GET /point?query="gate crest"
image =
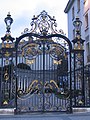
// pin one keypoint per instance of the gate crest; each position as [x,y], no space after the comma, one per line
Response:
[43,24]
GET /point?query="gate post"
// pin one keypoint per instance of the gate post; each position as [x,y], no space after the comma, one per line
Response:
[78,53]
[7,68]
[70,86]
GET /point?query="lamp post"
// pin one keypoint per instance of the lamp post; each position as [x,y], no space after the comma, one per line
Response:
[78,53]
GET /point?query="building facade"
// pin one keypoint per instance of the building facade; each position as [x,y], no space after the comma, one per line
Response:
[81,9]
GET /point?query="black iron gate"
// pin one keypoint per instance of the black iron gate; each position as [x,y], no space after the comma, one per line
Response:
[43,83]
[42,75]
[39,71]
[34,68]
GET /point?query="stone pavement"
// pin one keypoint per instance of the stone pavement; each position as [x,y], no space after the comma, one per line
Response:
[49,116]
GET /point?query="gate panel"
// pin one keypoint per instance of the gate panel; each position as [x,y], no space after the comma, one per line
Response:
[29,79]
[42,77]
[42,68]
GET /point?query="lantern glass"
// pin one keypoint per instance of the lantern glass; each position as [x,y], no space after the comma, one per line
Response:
[8,20]
[8,23]
[77,24]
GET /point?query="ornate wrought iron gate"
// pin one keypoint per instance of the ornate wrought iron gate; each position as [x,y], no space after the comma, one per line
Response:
[41,84]
[34,72]
[42,68]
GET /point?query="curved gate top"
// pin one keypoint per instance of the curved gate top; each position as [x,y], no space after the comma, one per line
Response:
[41,61]
[44,26]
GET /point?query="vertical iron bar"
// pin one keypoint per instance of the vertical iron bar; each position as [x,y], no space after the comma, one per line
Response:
[43,73]
[1,80]
[2,85]
[74,80]
[0,89]
[83,82]
[70,85]
[89,82]
[16,81]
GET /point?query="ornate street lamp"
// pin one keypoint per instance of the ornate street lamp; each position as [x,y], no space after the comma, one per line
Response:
[78,43]
[77,24]
[78,66]
[7,39]
[8,20]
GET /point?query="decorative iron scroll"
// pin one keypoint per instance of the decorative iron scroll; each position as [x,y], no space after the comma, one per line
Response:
[30,51]
[36,87]
[8,83]
[56,51]
[44,24]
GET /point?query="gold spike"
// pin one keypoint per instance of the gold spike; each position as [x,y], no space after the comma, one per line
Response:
[5,102]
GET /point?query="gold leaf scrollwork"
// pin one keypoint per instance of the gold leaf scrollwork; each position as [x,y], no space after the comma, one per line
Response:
[6,61]
[6,76]
[30,61]
[7,54]
[52,81]
[57,62]
[5,103]
[8,45]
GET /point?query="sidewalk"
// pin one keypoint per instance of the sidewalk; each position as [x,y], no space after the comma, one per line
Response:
[47,116]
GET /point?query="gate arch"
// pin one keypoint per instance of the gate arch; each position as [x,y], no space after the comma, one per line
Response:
[42,37]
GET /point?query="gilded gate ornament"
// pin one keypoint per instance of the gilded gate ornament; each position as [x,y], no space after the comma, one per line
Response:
[6,62]
[30,51]
[44,24]
[36,87]
[5,102]
[57,62]
[7,54]
[6,75]
[39,86]
[56,51]
[30,61]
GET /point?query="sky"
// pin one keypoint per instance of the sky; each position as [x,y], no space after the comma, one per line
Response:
[22,12]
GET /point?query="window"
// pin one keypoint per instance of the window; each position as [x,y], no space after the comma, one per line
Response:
[73,15]
[86,20]
[73,33]
[88,51]
[78,5]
